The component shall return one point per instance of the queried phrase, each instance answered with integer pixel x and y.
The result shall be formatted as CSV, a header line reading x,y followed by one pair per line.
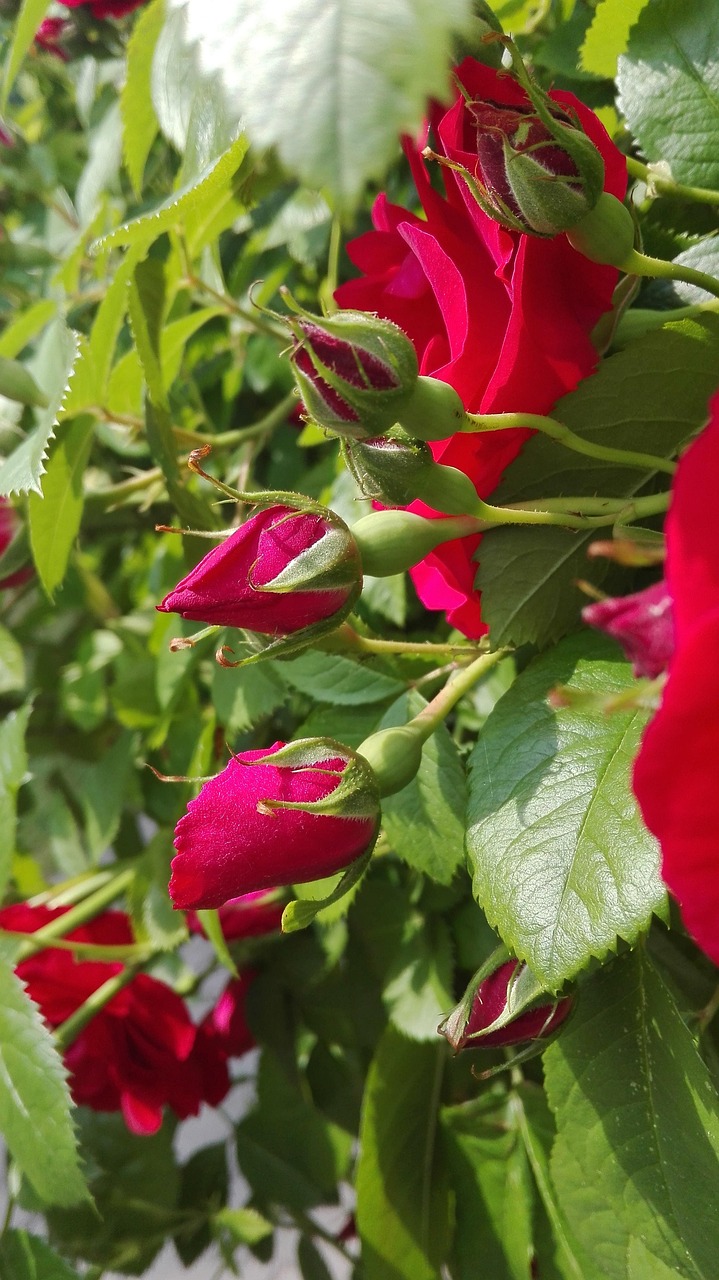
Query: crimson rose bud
x,y
537,172
467,1029
355,372
283,816
279,573
642,624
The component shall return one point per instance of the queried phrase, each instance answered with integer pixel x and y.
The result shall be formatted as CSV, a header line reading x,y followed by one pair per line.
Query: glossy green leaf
x,y
139,122
425,821
21,471
562,863
357,73
403,1204
27,1257
653,397
489,1174
13,765
55,516
329,678
34,1099
636,1160
669,87
608,35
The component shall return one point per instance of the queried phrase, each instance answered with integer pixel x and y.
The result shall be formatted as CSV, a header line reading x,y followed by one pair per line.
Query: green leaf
x,y
210,921
26,1257
424,822
403,1205
607,36
203,1191
636,1160
245,696
355,73
245,1226
34,1098
311,1263
669,88
490,1177
27,22
139,123
102,790
154,919
417,990
191,109
21,472
12,663
25,327
288,1152
562,863
651,397
17,383
329,678
197,196
56,514
13,764
90,379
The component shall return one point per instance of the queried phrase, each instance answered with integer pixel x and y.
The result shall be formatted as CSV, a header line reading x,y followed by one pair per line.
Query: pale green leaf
x,y
562,863
138,119
28,20
25,327
424,822
355,73
669,87
607,36
55,515
35,1100
21,472
12,663
637,1153
403,1206
27,1257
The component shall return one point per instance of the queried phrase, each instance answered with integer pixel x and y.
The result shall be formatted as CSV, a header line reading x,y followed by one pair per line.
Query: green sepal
x,y
356,796
456,1021
301,912
331,563
287,646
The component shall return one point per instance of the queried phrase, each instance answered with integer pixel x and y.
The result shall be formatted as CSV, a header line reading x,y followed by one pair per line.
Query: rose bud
x,y
287,815
281,572
250,916
358,375
9,528
642,624
49,35
490,1000
399,471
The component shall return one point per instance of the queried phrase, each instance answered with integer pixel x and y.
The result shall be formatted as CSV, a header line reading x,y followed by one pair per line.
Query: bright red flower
x,y
676,769
504,318
232,841
141,1052
249,916
226,587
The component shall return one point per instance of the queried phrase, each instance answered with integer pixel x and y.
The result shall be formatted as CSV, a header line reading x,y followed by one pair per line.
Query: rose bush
x,y
505,318
675,771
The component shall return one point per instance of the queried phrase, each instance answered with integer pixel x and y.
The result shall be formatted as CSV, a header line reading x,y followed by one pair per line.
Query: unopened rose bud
x,y
286,815
281,572
469,1025
397,472
643,625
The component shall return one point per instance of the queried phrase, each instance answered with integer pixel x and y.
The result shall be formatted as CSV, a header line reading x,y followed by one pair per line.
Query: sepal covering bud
x,y
503,1005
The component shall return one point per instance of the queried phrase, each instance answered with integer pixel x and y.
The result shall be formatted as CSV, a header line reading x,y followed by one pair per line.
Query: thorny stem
x,y
667,186
640,264
368,644
564,435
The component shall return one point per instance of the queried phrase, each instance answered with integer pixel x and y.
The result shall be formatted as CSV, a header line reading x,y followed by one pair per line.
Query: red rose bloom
x,y
505,318
676,769
233,841
141,1052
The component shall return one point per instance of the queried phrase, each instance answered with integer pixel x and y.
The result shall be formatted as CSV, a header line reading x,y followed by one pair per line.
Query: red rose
x,y
676,769
247,581
141,1052
249,916
503,317
236,837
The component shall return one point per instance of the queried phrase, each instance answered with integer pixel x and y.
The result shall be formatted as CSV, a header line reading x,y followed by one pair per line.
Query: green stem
x,y
256,320
640,264
116,493
87,910
564,435
70,1029
368,644
90,950
436,711
667,186
629,511
242,435
639,320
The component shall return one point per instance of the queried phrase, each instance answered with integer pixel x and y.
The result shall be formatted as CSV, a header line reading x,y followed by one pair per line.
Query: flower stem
x,y
564,435
86,910
640,264
667,186
639,320
436,711
70,1029
423,649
